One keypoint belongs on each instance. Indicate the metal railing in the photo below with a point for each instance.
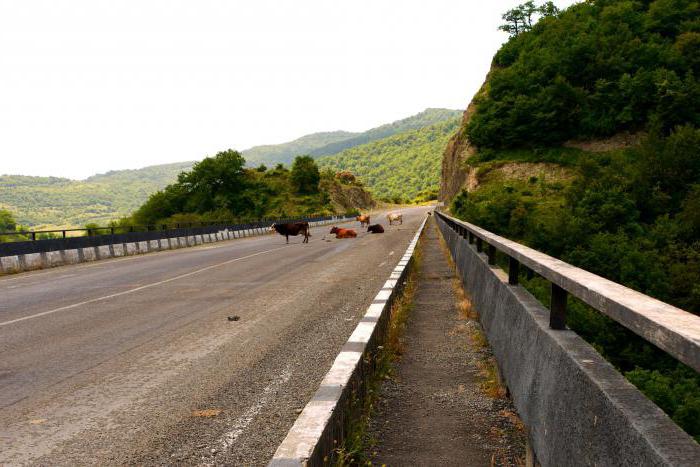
(671, 329)
(126, 234)
(114, 229)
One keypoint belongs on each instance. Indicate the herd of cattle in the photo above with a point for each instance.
(302, 228)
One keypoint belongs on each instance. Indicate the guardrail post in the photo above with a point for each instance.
(64, 233)
(513, 271)
(491, 252)
(479, 244)
(557, 311)
(33, 236)
(471, 238)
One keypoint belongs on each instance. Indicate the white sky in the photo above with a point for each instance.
(88, 86)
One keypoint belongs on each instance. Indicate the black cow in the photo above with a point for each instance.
(376, 228)
(293, 229)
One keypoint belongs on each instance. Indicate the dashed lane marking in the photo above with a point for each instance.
(136, 289)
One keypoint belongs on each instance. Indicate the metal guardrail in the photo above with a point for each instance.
(135, 234)
(671, 329)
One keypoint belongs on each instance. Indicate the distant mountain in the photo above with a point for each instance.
(272, 154)
(401, 166)
(321, 144)
(421, 120)
(53, 201)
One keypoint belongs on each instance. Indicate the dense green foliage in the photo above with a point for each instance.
(401, 167)
(7, 221)
(221, 188)
(52, 201)
(598, 68)
(305, 175)
(630, 215)
(322, 144)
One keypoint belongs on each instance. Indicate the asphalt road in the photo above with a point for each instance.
(109, 363)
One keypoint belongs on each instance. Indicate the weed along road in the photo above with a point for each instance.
(197, 356)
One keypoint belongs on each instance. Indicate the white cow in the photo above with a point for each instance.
(394, 216)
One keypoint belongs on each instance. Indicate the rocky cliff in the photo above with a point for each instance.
(455, 174)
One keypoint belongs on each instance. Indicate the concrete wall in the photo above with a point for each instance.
(32, 261)
(578, 409)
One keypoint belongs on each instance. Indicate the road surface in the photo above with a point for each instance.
(134, 361)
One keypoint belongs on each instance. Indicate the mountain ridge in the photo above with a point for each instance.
(341, 140)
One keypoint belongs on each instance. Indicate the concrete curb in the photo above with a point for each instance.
(33, 261)
(320, 428)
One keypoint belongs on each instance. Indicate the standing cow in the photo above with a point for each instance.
(364, 219)
(293, 229)
(394, 216)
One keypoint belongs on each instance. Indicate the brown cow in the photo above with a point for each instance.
(343, 233)
(364, 219)
(376, 228)
(293, 229)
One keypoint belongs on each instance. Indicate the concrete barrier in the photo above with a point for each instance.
(33, 261)
(577, 408)
(320, 428)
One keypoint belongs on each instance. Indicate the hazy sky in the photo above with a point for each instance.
(88, 86)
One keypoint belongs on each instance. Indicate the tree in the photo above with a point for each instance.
(548, 9)
(522, 17)
(214, 182)
(515, 21)
(305, 175)
(7, 221)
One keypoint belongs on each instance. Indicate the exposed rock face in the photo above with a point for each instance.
(454, 172)
(619, 141)
(345, 197)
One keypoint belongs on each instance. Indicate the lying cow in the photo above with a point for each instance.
(364, 219)
(394, 216)
(376, 228)
(293, 229)
(343, 233)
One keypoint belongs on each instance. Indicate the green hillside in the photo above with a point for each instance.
(320, 144)
(399, 166)
(272, 154)
(50, 201)
(42, 201)
(628, 212)
(221, 188)
(421, 120)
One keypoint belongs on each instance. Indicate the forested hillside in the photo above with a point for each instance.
(272, 154)
(408, 162)
(627, 208)
(41, 201)
(321, 144)
(400, 167)
(221, 188)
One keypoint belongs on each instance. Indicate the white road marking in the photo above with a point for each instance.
(106, 262)
(147, 286)
(382, 264)
(239, 426)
